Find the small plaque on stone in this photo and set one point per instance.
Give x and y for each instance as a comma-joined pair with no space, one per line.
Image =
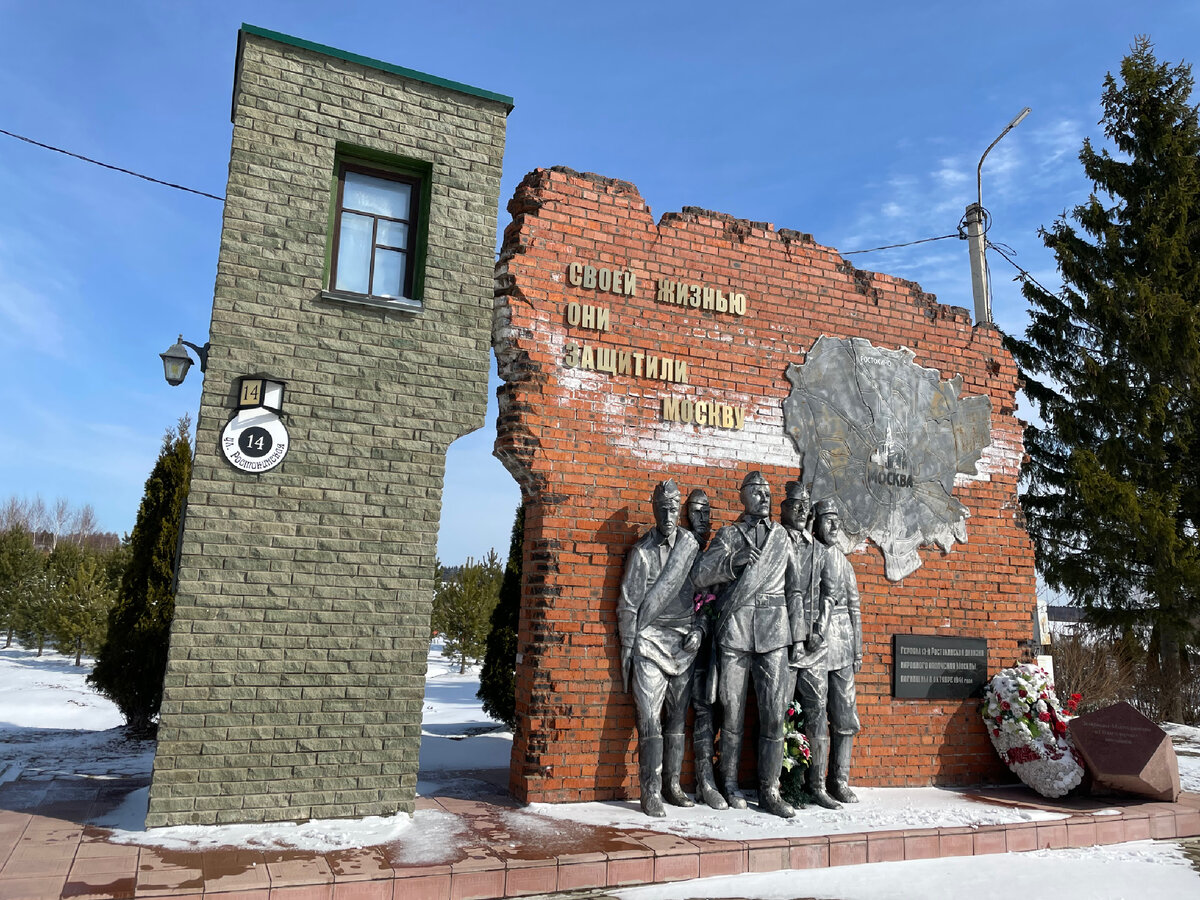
1125,751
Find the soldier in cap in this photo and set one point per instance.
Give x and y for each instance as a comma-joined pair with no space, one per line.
794,515
825,683
810,624
699,515
659,640
752,562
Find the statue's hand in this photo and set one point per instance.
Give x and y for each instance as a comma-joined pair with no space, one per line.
691,643
814,643
796,653
857,664
745,557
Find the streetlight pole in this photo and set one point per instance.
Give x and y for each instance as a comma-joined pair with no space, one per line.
976,230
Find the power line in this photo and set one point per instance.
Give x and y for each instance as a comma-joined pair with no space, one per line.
1025,276
894,246
96,162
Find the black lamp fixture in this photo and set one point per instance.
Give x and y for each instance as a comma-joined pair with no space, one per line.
177,361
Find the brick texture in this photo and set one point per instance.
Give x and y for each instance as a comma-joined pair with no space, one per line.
587,447
297,660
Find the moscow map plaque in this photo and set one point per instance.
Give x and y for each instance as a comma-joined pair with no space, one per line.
885,439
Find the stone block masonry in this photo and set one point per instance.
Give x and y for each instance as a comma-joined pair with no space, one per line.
296,672
631,350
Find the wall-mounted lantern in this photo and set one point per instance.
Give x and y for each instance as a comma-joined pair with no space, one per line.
177,361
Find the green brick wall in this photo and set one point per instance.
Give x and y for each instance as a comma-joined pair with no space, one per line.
296,672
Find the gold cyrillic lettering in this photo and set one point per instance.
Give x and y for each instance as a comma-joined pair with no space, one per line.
588,319
708,294
701,413
637,363
737,304
623,362
575,274
589,277
739,416
667,369
572,313
686,409
670,408
666,291
571,355
606,360
726,417
722,302
651,366
602,318
694,296
681,371
630,284
604,279
588,360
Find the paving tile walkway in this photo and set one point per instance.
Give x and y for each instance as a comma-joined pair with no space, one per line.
46,853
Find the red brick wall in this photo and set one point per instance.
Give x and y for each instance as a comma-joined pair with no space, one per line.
588,447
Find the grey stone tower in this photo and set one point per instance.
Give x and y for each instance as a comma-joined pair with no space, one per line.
355,268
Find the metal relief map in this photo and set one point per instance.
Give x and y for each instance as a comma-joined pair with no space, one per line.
885,437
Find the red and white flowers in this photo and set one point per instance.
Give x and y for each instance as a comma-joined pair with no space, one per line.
795,744
1028,728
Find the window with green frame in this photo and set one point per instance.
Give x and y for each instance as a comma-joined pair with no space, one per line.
378,228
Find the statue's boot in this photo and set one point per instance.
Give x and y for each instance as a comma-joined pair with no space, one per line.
818,765
770,763
650,759
839,774
706,788
673,747
731,755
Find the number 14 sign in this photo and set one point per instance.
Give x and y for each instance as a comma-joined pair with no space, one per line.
255,440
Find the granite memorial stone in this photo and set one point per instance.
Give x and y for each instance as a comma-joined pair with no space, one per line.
1125,751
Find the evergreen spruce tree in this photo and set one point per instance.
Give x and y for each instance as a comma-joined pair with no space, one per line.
131,663
1112,365
498,679
22,581
81,598
462,607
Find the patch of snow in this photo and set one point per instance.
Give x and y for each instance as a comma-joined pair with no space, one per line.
49,691
878,809
1140,869
317,835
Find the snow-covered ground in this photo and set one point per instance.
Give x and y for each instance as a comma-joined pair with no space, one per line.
52,723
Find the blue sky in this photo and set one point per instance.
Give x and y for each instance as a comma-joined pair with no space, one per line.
861,125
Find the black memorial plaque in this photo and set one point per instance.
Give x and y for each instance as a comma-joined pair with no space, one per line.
933,667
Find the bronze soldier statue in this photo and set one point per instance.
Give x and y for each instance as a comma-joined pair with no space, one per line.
810,624
752,562
699,515
659,639
826,685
